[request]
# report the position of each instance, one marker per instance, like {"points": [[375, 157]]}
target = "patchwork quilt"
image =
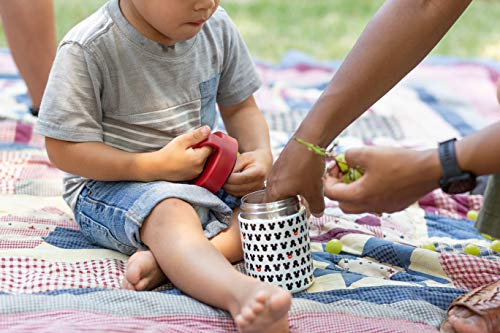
{"points": [[53, 279]]}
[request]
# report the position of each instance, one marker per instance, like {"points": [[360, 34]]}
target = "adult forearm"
{"points": [[30, 30], [95, 160], [480, 152], [399, 36]]}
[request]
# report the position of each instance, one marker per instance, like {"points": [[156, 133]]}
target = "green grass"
{"points": [[70, 12], [325, 29]]}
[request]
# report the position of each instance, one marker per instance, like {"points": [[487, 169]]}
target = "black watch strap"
{"points": [[448, 159]]}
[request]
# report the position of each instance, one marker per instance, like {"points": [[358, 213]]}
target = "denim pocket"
{"points": [[208, 93], [94, 231], [101, 235]]}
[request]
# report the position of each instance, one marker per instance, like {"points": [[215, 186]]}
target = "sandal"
{"points": [[476, 311]]}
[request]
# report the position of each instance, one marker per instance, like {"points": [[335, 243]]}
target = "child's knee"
{"points": [[166, 212], [172, 205]]}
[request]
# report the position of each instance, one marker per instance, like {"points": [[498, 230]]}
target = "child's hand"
{"points": [[249, 173], [178, 160]]}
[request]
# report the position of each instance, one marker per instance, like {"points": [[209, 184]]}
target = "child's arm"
{"points": [[245, 122], [177, 161]]}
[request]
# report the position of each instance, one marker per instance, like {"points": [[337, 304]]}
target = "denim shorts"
{"points": [[110, 214]]}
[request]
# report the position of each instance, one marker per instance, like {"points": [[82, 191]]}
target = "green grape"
{"points": [[495, 245], [346, 179], [472, 215], [428, 246], [356, 174], [472, 249], [334, 246], [488, 237], [341, 162], [349, 174]]}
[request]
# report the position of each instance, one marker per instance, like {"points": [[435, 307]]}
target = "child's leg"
{"points": [[173, 233], [228, 242], [143, 272]]}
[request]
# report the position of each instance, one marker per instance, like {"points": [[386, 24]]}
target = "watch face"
{"points": [[463, 183]]}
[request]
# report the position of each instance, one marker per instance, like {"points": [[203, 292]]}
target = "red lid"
{"points": [[220, 163]]}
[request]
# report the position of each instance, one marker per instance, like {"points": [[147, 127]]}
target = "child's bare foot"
{"points": [[143, 272], [264, 310]]}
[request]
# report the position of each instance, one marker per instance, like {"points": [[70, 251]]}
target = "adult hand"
{"points": [[178, 160], [297, 171], [249, 173], [393, 179]]}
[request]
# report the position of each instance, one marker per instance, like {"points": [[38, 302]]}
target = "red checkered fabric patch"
{"points": [[86, 321], [7, 131], [31, 168], [454, 206], [31, 275], [10, 173], [469, 272], [80, 321], [19, 132], [316, 225], [346, 322], [19, 237], [65, 221]]}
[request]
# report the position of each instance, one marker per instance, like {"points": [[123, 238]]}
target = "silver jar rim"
{"points": [[252, 206]]}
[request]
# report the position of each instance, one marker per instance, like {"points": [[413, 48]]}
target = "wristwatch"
{"points": [[454, 180]]}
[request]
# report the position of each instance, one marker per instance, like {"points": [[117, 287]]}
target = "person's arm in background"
{"points": [[399, 36], [30, 30]]}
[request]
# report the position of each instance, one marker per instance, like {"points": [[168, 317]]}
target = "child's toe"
{"points": [[248, 314], [258, 307]]}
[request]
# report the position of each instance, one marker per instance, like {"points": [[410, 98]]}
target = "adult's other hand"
{"points": [[393, 179]]}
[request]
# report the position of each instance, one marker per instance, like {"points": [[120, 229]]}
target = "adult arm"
{"points": [[398, 37], [394, 178], [30, 30]]}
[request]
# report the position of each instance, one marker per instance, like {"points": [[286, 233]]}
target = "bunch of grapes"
{"points": [[349, 174]]}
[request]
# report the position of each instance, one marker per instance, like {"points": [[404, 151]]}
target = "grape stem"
{"points": [[317, 149], [350, 174]]}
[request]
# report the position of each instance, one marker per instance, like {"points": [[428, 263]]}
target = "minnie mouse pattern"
{"points": [[278, 250]]}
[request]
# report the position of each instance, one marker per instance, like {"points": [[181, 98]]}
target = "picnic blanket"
{"points": [[53, 279]]}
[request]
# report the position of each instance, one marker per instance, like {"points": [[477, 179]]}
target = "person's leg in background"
{"points": [[29, 26]]}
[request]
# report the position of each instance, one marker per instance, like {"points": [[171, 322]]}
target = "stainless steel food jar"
{"points": [[275, 238]]}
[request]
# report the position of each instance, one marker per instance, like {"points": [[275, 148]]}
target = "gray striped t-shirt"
{"points": [[111, 84]]}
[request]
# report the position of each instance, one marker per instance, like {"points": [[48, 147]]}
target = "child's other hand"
{"points": [[178, 160], [249, 173]]}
